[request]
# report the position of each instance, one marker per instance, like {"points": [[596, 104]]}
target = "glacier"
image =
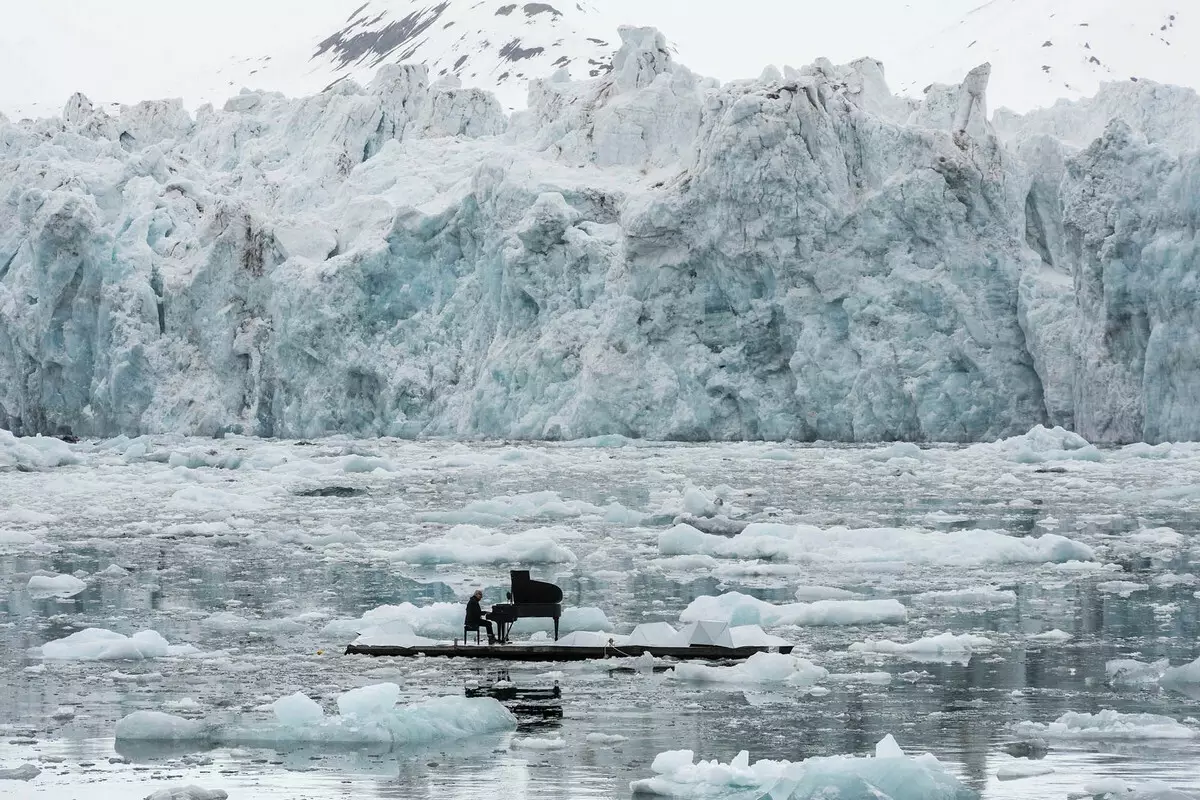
{"points": [[649, 254]]}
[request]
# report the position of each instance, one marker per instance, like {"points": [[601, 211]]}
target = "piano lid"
{"points": [[527, 590]]}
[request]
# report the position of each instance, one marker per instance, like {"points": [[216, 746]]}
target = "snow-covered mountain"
{"points": [[491, 44], [647, 253], [1043, 50], [1040, 50]]}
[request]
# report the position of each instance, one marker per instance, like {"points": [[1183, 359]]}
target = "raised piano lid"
{"points": [[527, 590]]}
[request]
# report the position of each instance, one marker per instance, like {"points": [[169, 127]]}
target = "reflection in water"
{"points": [[281, 574]]}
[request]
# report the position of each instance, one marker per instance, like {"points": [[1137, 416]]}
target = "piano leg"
{"points": [[556, 629]]}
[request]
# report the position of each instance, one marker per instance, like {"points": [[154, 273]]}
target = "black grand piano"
{"points": [[527, 599]]}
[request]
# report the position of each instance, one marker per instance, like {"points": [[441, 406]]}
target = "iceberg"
{"points": [[1108, 725], [878, 546], [648, 254], [760, 668], [98, 644], [43, 586], [740, 609], [367, 715], [939, 646], [888, 775]]}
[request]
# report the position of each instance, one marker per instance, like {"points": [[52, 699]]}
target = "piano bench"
{"points": [[468, 628]]}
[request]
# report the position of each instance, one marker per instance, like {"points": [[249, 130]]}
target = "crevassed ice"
{"points": [[648, 254]]}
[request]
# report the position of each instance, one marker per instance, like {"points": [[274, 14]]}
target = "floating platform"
{"points": [[509, 652]]}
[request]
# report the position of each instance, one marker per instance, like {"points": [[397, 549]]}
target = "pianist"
{"points": [[476, 618]]}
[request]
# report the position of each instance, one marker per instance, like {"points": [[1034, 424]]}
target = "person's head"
{"points": [[478, 594]]}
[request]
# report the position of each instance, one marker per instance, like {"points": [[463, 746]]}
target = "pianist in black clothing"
{"points": [[476, 618]]}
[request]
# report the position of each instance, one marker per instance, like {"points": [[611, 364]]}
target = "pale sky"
{"points": [[128, 50]]}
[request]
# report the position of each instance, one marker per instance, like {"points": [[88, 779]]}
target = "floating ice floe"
{"points": [[472, 545], [1121, 588], [1051, 637], [534, 743], [945, 645], [34, 452], [25, 772], [605, 739], [1109, 725], [1118, 789], [757, 669], [1128, 672], [807, 594], [979, 598], [208, 499], [889, 775], [188, 793], [1186, 674], [1043, 444], [229, 622], [43, 586], [98, 644], [740, 609], [878, 546], [1016, 770], [366, 715], [508, 508]]}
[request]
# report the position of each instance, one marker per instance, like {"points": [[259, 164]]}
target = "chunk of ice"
{"points": [[1109, 725], [297, 710], [159, 727], [43, 586], [533, 743], [1017, 770], [889, 775], [25, 772], [188, 793], [606, 738], [740, 609], [369, 701], [98, 644], [759, 668], [945, 644]]}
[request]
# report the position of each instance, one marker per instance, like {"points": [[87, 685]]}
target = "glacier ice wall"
{"points": [[651, 254]]}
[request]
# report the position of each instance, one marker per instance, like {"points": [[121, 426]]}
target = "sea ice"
{"points": [[883, 546], [533, 743], [740, 609], [758, 668], [158, 726], [1128, 672], [1108, 725], [807, 594], [1185, 674], [472, 545], [297, 710], [1121, 588], [98, 644], [188, 793], [1016, 770], [606, 738], [43, 586], [368, 715], [981, 598], [25, 772], [945, 644], [37, 452], [889, 775]]}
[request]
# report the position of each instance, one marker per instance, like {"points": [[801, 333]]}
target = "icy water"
{"points": [[219, 548]]}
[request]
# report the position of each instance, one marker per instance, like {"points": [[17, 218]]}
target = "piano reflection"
{"points": [[527, 599]]}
